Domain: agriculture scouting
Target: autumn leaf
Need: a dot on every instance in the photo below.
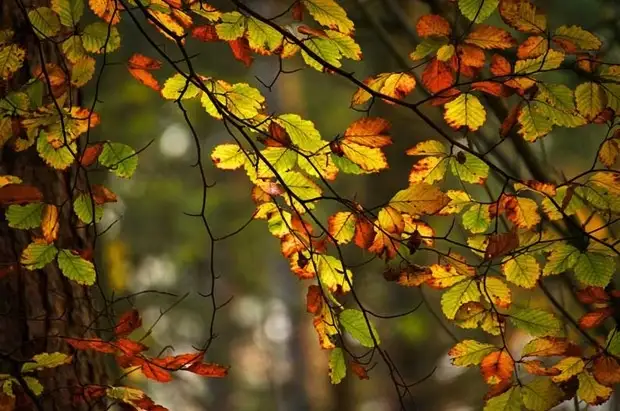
(50, 223)
(433, 25)
(394, 85)
(127, 323)
(496, 367)
(490, 37)
(19, 194)
(465, 111)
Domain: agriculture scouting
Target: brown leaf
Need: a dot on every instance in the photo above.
(102, 195)
(501, 244)
(19, 194)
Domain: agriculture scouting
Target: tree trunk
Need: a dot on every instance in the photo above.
(38, 307)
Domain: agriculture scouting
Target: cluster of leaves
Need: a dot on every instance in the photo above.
(515, 237)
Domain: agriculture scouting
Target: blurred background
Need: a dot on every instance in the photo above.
(264, 333)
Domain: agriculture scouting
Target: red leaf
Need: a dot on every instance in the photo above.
(205, 33)
(208, 370)
(96, 344)
(364, 233)
(359, 370)
(314, 299)
(178, 362)
(90, 154)
(128, 322)
(592, 295)
(19, 194)
(492, 88)
(241, 50)
(298, 11)
(130, 347)
(145, 78)
(500, 66)
(154, 372)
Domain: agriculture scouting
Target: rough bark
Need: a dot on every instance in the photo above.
(38, 307)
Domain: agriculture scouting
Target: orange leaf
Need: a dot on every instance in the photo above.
(532, 47)
(140, 61)
(510, 121)
(595, 318)
(470, 56)
(490, 37)
(90, 154)
(433, 25)
(128, 322)
(102, 195)
(177, 362)
(364, 233)
(19, 194)
(369, 132)
(314, 299)
(241, 50)
(496, 367)
(208, 370)
(492, 88)
(606, 370)
(52, 74)
(536, 367)
(108, 10)
(145, 78)
(437, 76)
(500, 66)
(50, 223)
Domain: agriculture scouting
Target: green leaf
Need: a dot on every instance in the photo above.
(426, 47)
(541, 394)
(11, 59)
(76, 268)
(471, 169)
(177, 87)
(508, 401)
(330, 14)
(337, 366)
(24, 217)
(100, 37)
(462, 293)
(578, 37)
(35, 386)
(561, 258)
(594, 269)
(60, 158)
(232, 27)
(121, 159)
(355, 324)
(465, 111)
(613, 342)
(522, 270)
(44, 22)
(551, 60)
(70, 11)
(470, 352)
(46, 360)
(263, 38)
(302, 132)
(590, 99)
(477, 218)
(326, 50)
(533, 121)
(73, 49)
(537, 322)
(83, 207)
(37, 255)
(477, 10)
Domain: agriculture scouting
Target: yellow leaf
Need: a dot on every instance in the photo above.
(591, 391)
(522, 270)
(342, 226)
(420, 198)
(466, 110)
(590, 99)
(330, 14)
(395, 85)
(523, 16)
(569, 367)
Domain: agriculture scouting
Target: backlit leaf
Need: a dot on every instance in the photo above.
(50, 223)
(523, 16)
(395, 85)
(99, 37)
(465, 111)
(541, 394)
(342, 226)
(496, 367)
(574, 38)
(84, 207)
(337, 366)
(433, 25)
(569, 367)
(69, 11)
(591, 391)
(490, 37)
(355, 324)
(46, 360)
(330, 14)
(121, 159)
(470, 352)
(590, 99)
(522, 270)
(462, 293)
(419, 198)
(44, 21)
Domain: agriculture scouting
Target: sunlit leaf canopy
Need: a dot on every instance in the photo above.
(479, 227)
